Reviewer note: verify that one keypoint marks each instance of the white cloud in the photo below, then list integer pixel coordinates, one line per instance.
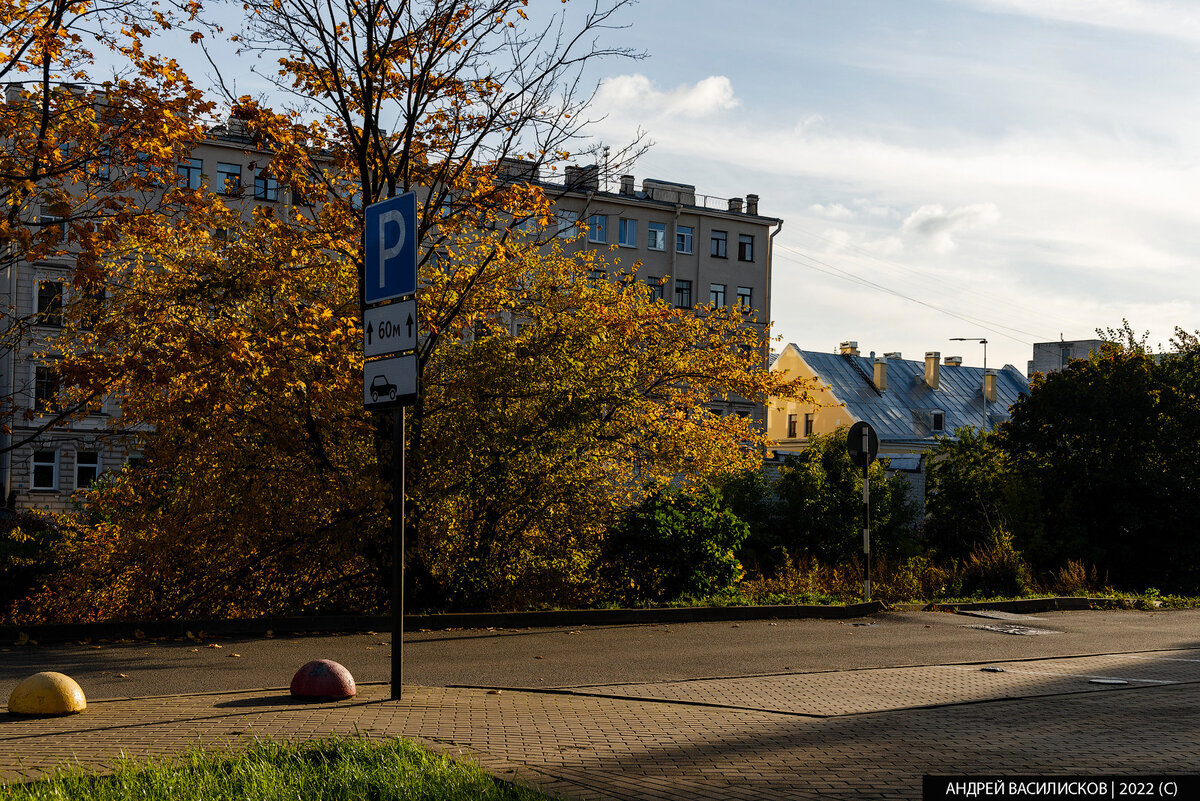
(834, 211)
(934, 226)
(1178, 19)
(637, 93)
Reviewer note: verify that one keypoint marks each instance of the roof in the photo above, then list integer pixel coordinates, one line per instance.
(903, 413)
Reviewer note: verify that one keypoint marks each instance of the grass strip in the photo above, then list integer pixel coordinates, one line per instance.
(329, 769)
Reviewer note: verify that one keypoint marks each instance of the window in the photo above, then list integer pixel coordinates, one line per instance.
(266, 188)
(744, 296)
(627, 233)
(45, 470)
(745, 247)
(683, 293)
(104, 163)
(598, 228)
(229, 178)
(566, 224)
(597, 274)
(939, 421)
(45, 386)
(49, 302)
(656, 287)
(189, 172)
(52, 221)
(792, 419)
(87, 468)
(716, 295)
(683, 238)
(717, 245)
(656, 238)
(808, 424)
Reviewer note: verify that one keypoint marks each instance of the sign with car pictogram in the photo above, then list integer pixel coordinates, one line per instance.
(390, 382)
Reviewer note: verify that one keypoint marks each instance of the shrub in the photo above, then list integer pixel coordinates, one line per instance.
(996, 568)
(674, 543)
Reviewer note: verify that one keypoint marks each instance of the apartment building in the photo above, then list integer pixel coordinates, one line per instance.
(691, 249)
(50, 462)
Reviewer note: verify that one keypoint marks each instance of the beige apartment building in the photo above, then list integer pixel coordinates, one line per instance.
(48, 464)
(691, 249)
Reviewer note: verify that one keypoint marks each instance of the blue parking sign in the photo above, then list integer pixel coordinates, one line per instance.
(390, 245)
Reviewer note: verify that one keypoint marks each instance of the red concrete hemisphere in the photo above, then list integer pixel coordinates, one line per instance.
(323, 678)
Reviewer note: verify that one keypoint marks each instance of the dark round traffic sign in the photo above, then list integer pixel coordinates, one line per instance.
(854, 443)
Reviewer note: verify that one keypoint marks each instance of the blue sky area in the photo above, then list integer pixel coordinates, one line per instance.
(1014, 169)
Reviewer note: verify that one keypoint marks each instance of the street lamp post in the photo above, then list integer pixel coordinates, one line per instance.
(982, 341)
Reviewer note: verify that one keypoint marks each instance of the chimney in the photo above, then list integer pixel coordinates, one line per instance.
(752, 204)
(513, 169)
(626, 184)
(583, 179)
(989, 385)
(893, 355)
(932, 368)
(848, 348)
(881, 374)
(12, 92)
(953, 361)
(735, 205)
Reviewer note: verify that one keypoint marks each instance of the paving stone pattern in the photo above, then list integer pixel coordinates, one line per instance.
(855, 692)
(607, 747)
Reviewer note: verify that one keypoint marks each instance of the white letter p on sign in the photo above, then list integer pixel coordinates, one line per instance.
(386, 253)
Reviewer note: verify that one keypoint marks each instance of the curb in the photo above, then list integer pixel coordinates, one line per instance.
(1026, 605)
(343, 624)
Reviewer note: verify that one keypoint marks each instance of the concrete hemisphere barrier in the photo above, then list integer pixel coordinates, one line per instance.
(323, 679)
(47, 694)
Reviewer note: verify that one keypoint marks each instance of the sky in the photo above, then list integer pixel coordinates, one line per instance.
(1016, 170)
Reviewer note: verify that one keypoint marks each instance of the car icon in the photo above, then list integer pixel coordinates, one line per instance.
(381, 386)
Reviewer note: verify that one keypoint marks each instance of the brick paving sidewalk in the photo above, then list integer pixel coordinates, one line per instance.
(605, 747)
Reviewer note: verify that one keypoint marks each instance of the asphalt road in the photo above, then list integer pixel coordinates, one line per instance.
(562, 657)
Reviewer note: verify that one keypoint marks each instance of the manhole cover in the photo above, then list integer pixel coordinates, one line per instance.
(1011, 628)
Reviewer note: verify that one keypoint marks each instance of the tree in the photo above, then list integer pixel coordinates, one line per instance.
(968, 492)
(1106, 462)
(674, 544)
(80, 159)
(820, 493)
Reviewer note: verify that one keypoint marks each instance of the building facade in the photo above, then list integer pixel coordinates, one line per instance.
(1050, 357)
(692, 250)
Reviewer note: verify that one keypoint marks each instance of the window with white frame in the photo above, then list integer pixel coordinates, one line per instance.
(189, 171)
(45, 470)
(598, 228)
(229, 178)
(87, 468)
(566, 224)
(683, 293)
(627, 233)
(684, 234)
(716, 295)
(49, 302)
(717, 245)
(45, 387)
(656, 236)
(745, 296)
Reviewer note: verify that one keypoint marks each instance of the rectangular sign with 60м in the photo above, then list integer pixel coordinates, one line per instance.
(390, 329)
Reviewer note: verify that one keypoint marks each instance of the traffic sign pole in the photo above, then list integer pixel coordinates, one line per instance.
(397, 678)
(866, 446)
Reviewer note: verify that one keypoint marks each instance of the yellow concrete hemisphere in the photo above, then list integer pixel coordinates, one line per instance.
(47, 693)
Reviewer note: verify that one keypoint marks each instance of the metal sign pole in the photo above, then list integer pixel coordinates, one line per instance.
(866, 466)
(397, 552)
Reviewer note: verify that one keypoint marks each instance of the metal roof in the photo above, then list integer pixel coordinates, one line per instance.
(903, 413)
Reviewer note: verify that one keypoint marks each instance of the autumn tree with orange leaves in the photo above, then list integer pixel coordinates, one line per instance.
(549, 401)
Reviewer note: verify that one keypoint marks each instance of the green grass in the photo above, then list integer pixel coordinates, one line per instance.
(349, 768)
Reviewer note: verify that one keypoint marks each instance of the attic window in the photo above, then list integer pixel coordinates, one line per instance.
(939, 421)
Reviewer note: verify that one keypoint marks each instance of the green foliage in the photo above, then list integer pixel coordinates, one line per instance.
(820, 504)
(968, 489)
(996, 568)
(674, 543)
(330, 769)
(1106, 463)
(28, 554)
